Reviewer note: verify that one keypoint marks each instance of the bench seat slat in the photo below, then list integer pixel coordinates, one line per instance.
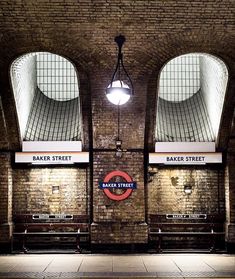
(186, 233)
(184, 224)
(51, 233)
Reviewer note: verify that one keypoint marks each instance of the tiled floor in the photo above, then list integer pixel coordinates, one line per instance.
(118, 266)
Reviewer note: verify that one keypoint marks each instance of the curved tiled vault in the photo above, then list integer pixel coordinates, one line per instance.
(53, 120)
(191, 95)
(46, 91)
(184, 121)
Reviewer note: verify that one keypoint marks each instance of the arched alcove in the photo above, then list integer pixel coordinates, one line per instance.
(46, 92)
(191, 96)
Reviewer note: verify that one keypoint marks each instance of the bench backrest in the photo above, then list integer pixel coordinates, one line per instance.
(34, 218)
(184, 222)
(29, 222)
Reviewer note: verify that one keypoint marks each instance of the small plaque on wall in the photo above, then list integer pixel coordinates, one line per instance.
(186, 216)
(51, 216)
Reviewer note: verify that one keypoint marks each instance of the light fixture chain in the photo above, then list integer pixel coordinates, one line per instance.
(118, 123)
(118, 92)
(127, 74)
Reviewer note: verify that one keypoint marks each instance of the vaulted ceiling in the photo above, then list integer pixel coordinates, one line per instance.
(84, 31)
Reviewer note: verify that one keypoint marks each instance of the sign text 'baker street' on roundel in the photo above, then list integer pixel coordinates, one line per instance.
(128, 185)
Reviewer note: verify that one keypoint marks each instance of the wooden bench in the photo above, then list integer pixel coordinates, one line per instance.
(29, 226)
(185, 225)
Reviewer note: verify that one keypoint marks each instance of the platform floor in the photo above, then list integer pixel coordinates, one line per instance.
(117, 266)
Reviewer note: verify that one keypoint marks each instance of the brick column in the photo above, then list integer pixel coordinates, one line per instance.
(230, 201)
(5, 201)
(119, 222)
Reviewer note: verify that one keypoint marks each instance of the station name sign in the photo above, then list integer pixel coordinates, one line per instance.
(128, 185)
(48, 158)
(117, 185)
(185, 158)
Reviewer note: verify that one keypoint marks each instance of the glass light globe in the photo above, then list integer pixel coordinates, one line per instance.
(118, 93)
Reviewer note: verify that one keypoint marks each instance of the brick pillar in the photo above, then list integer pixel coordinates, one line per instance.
(230, 201)
(119, 222)
(5, 201)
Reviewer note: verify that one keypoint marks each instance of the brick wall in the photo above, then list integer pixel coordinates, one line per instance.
(156, 31)
(33, 191)
(119, 233)
(115, 221)
(105, 115)
(166, 190)
(230, 198)
(3, 129)
(5, 198)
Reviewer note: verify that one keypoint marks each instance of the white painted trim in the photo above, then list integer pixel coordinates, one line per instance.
(185, 158)
(52, 158)
(44, 146)
(184, 147)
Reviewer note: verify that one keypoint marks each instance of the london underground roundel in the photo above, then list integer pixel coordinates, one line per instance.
(128, 185)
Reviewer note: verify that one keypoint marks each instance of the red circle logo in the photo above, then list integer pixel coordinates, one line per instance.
(113, 196)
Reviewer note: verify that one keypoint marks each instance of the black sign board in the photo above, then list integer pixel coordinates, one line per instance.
(51, 216)
(186, 216)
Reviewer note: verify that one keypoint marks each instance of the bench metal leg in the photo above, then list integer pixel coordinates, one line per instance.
(78, 250)
(212, 244)
(132, 247)
(159, 247)
(24, 249)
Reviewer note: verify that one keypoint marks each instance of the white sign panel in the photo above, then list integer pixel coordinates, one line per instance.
(184, 147)
(185, 158)
(51, 146)
(48, 158)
